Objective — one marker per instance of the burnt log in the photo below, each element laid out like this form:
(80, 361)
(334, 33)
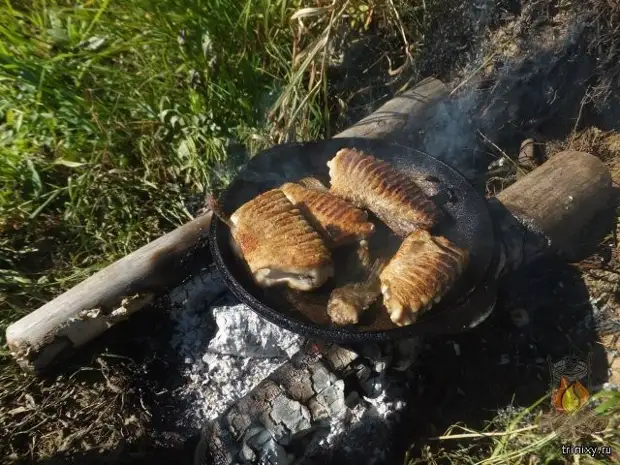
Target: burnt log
(299, 396)
(55, 330)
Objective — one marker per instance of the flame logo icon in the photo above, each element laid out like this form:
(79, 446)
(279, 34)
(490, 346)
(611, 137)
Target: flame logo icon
(571, 395)
(569, 398)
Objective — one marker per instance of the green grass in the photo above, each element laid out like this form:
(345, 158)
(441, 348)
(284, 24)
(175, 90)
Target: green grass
(113, 114)
(116, 117)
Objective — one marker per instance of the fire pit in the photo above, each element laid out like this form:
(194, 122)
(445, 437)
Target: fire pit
(259, 414)
(315, 398)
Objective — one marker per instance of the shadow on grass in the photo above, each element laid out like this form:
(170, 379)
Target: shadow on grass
(135, 357)
(470, 377)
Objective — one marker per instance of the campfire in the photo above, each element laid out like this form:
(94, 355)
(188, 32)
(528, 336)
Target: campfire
(260, 393)
(246, 353)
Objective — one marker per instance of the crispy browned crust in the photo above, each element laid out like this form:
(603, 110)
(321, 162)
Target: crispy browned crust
(272, 233)
(420, 273)
(336, 219)
(391, 195)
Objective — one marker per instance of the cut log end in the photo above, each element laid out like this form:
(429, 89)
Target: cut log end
(558, 200)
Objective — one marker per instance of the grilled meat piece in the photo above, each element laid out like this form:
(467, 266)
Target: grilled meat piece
(420, 273)
(313, 183)
(278, 243)
(347, 303)
(335, 219)
(391, 195)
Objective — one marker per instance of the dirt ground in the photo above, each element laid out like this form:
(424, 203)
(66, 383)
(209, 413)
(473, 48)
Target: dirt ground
(542, 70)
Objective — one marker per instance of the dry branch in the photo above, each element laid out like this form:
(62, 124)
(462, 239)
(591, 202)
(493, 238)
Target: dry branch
(109, 296)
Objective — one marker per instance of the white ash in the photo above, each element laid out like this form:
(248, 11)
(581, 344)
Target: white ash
(219, 370)
(363, 433)
(241, 332)
(227, 350)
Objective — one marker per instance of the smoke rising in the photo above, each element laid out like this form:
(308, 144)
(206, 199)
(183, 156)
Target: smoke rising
(526, 87)
(517, 70)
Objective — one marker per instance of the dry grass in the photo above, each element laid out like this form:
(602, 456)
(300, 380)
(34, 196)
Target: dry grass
(86, 410)
(531, 436)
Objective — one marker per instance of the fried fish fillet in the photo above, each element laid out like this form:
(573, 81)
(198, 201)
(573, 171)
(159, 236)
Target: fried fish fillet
(338, 221)
(391, 195)
(420, 273)
(278, 243)
(348, 302)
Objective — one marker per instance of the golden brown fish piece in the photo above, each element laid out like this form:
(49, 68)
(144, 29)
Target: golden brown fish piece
(423, 269)
(279, 244)
(348, 302)
(391, 195)
(338, 221)
(313, 183)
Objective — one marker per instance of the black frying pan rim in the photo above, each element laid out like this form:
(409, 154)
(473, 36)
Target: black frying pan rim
(336, 334)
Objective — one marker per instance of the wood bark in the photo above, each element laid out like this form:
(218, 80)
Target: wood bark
(53, 331)
(111, 295)
(401, 118)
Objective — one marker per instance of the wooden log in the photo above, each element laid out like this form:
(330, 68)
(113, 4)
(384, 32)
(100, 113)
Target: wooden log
(401, 118)
(79, 315)
(108, 297)
(542, 213)
(549, 209)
